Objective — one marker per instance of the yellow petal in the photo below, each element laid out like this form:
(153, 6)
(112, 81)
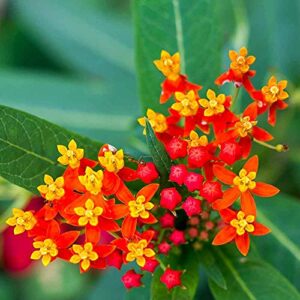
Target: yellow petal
(36, 255)
(85, 264)
(72, 145)
(141, 261)
(18, 229)
(62, 149)
(210, 94)
(148, 252)
(77, 248)
(46, 260)
(75, 259)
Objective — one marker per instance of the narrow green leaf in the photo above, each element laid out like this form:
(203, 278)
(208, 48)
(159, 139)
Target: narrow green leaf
(188, 261)
(208, 261)
(190, 27)
(28, 147)
(158, 153)
(251, 279)
(281, 215)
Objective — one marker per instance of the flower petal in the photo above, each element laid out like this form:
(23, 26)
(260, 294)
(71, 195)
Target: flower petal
(224, 236)
(223, 174)
(148, 191)
(229, 197)
(248, 205)
(243, 243)
(265, 190)
(129, 227)
(252, 164)
(260, 229)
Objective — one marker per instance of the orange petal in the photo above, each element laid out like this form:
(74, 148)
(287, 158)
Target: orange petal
(150, 220)
(265, 190)
(252, 164)
(129, 227)
(223, 174)
(229, 197)
(124, 194)
(66, 239)
(261, 134)
(260, 229)
(248, 205)
(243, 243)
(148, 191)
(119, 211)
(92, 234)
(104, 250)
(224, 236)
(227, 215)
(251, 111)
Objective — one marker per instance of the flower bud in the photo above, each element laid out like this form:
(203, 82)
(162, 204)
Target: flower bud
(170, 198)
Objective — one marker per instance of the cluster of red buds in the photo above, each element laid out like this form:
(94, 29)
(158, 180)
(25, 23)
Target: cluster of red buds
(204, 201)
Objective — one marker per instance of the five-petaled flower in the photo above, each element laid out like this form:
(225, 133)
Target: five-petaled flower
(21, 220)
(242, 185)
(112, 162)
(238, 226)
(186, 104)
(52, 189)
(70, 156)
(214, 105)
(157, 121)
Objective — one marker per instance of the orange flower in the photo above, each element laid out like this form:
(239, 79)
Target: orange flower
(240, 61)
(169, 65)
(186, 104)
(238, 226)
(136, 208)
(274, 91)
(242, 185)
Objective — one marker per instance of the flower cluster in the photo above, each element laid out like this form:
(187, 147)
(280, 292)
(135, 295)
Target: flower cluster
(204, 200)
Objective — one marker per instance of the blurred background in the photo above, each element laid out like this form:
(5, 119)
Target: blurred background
(72, 63)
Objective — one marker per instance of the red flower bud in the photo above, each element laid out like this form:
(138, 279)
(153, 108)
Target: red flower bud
(147, 172)
(193, 232)
(115, 259)
(178, 174)
(169, 198)
(167, 221)
(198, 156)
(151, 265)
(211, 191)
(193, 181)
(164, 248)
(230, 152)
(176, 148)
(171, 278)
(131, 279)
(209, 225)
(177, 237)
(194, 220)
(203, 235)
(192, 206)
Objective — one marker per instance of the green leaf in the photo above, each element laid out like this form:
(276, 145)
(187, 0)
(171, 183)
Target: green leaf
(208, 261)
(251, 279)
(79, 36)
(28, 147)
(281, 247)
(188, 261)
(157, 150)
(88, 107)
(190, 27)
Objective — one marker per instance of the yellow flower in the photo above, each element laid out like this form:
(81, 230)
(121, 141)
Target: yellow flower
(22, 220)
(275, 91)
(53, 189)
(138, 251)
(92, 180)
(157, 121)
(112, 162)
(169, 65)
(245, 180)
(243, 224)
(240, 61)
(70, 156)
(89, 213)
(83, 255)
(244, 126)
(214, 104)
(138, 208)
(47, 250)
(187, 104)
(196, 141)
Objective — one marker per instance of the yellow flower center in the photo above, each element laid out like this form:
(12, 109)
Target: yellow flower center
(138, 208)
(89, 213)
(52, 189)
(196, 141)
(186, 104)
(274, 90)
(169, 65)
(214, 104)
(83, 255)
(157, 121)
(47, 250)
(92, 180)
(244, 126)
(243, 224)
(240, 61)
(21, 220)
(112, 162)
(70, 156)
(245, 180)
(138, 251)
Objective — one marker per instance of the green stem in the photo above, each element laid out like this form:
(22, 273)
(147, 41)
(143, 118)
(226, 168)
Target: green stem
(278, 148)
(162, 265)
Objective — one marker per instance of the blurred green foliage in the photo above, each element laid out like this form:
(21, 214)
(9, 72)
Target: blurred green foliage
(72, 63)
